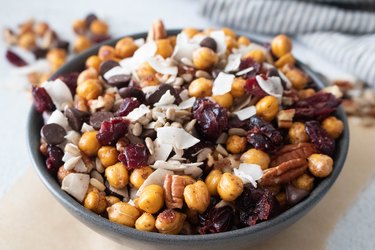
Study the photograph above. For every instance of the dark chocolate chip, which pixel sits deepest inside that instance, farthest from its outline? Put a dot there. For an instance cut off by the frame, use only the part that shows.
(62, 44)
(76, 118)
(119, 81)
(148, 133)
(294, 195)
(100, 38)
(162, 89)
(89, 19)
(106, 66)
(53, 133)
(132, 92)
(40, 52)
(210, 43)
(97, 118)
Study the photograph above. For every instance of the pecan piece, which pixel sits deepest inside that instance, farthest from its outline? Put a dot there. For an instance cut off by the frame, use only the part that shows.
(293, 151)
(157, 31)
(174, 186)
(284, 173)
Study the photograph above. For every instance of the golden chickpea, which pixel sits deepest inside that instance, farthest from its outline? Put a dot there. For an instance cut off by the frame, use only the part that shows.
(79, 26)
(204, 58)
(267, 107)
(305, 182)
(229, 187)
(257, 55)
(212, 180)
(89, 89)
(256, 156)
(151, 80)
(298, 78)
(95, 201)
(89, 73)
(107, 155)
(81, 43)
(123, 213)
(125, 47)
(200, 87)
(98, 27)
(151, 199)
(41, 28)
(62, 173)
(225, 100)
(145, 70)
(111, 200)
(238, 87)
(333, 127)
(106, 52)
(320, 165)
(281, 45)
(190, 32)
(164, 48)
(117, 175)
(306, 93)
(231, 44)
(27, 40)
(236, 144)
(197, 196)
(172, 40)
(297, 133)
(93, 62)
(229, 32)
(170, 222)
(146, 222)
(139, 175)
(284, 60)
(56, 58)
(242, 40)
(88, 143)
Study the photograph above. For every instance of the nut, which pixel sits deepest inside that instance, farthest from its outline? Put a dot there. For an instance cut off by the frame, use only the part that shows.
(285, 118)
(157, 31)
(174, 190)
(293, 151)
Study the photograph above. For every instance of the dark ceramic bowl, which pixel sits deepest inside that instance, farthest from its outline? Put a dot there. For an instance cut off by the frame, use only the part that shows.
(240, 238)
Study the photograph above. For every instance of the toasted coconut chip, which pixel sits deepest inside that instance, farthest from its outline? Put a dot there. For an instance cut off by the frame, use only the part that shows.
(285, 79)
(59, 118)
(177, 137)
(169, 165)
(222, 84)
(87, 128)
(144, 52)
(246, 113)
(165, 99)
(40, 65)
(162, 150)
(124, 192)
(72, 137)
(139, 42)
(194, 171)
(59, 93)
(118, 70)
(188, 103)
(71, 162)
(149, 89)
(162, 66)
(137, 113)
(80, 167)
(271, 86)
(244, 71)
(219, 37)
(76, 185)
(184, 47)
(234, 61)
(249, 173)
(157, 177)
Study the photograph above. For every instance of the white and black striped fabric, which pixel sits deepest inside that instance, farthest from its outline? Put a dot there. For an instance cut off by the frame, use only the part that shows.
(343, 31)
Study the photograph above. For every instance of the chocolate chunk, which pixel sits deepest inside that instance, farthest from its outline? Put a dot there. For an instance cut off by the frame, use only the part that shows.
(162, 89)
(39, 52)
(76, 118)
(97, 118)
(106, 66)
(53, 133)
(294, 195)
(132, 92)
(119, 81)
(89, 19)
(210, 43)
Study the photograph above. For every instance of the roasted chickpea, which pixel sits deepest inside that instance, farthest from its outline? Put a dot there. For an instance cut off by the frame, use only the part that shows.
(267, 107)
(151, 80)
(125, 47)
(111, 200)
(62, 173)
(139, 175)
(88, 143)
(231, 44)
(151, 199)
(257, 55)
(212, 180)
(284, 60)
(242, 40)
(170, 222)
(81, 43)
(197, 196)
(117, 175)
(225, 100)
(320, 165)
(297, 133)
(123, 213)
(79, 26)
(238, 87)
(106, 52)
(164, 48)
(89, 73)
(298, 78)
(41, 28)
(204, 58)
(27, 40)
(229, 32)
(236, 144)
(98, 27)
(172, 40)
(146, 222)
(93, 62)
(281, 45)
(256, 156)
(306, 93)
(107, 155)
(333, 127)
(229, 187)
(56, 58)
(89, 89)
(305, 182)
(190, 32)
(95, 201)
(145, 70)
(200, 87)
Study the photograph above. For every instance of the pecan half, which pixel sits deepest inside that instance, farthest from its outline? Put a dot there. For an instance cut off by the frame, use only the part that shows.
(157, 31)
(284, 173)
(293, 151)
(174, 186)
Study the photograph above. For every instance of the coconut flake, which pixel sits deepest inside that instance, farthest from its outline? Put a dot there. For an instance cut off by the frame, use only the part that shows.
(59, 118)
(184, 47)
(118, 70)
(271, 86)
(76, 185)
(219, 37)
(59, 93)
(161, 66)
(285, 79)
(157, 177)
(168, 165)
(162, 150)
(144, 53)
(249, 173)
(165, 99)
(87, 128)
(149, 89)
(72, 137)
(234, 61)
(222, 84)
(244, 71)
(194, 171)
(177, 137)
(139, 42)
(246, 113)
(137, 113)
(187, 103)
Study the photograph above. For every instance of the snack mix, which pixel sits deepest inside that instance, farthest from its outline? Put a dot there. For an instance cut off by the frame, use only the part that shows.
(198, 133)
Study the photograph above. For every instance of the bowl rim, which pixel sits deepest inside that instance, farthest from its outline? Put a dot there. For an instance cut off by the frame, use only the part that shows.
(74, 206)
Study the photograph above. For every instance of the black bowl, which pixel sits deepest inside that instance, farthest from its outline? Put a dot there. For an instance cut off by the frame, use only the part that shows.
(130, 237)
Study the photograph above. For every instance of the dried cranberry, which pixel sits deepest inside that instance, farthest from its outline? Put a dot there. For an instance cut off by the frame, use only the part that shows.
(235, 122)
(212, 119)
(54, 159)
(70, 79)
(127, 105)
(217, 220)
(247, 63)
(253, 88)
(262, 135)
(320, 138)
(134, 156)
(15, 59)
(42, 101)
(111, 131)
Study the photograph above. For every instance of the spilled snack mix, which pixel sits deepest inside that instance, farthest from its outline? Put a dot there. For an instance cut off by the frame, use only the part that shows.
(199, 133)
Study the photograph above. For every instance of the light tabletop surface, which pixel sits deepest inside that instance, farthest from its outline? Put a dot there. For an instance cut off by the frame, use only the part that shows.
(354, 230)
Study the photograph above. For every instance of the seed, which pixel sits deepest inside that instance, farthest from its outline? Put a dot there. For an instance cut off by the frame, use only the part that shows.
(221, 150)
(187, 77)
(237, 131)
(222, 138)
(187, 61)
(190, 125)
(202, 73)
(170, 113)
(137, 129)
(98, 166)
(100, 186)
(150, 145)
(95, 174)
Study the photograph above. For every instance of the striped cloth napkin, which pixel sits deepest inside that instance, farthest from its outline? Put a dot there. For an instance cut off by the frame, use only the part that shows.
(342, 31)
